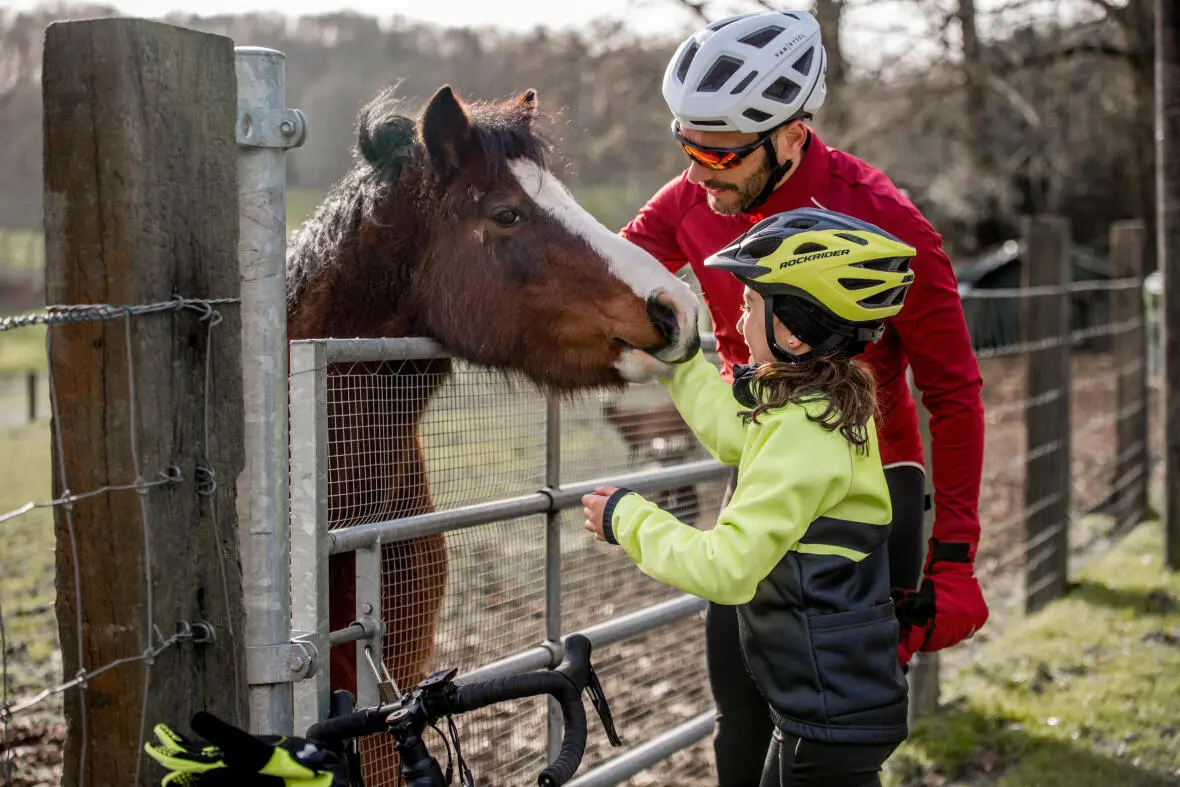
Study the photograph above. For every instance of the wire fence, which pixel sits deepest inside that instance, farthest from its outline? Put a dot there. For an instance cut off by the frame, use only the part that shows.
(1067, 413)
(484, 438)
(1073, 428)
(412, 439)
(30, 697)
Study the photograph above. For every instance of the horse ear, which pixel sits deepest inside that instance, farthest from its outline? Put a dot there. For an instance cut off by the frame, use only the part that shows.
(526, 104)
(446, 131)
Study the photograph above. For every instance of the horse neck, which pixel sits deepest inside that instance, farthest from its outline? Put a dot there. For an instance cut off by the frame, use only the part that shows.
(374, 409)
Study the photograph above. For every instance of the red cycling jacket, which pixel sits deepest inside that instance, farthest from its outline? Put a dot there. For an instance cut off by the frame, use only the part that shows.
(678, 227)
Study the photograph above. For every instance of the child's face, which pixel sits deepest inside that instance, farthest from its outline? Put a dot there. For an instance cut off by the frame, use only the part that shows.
(752, 326)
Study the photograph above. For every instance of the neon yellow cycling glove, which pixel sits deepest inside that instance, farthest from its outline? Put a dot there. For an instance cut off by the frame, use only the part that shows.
(230, 757)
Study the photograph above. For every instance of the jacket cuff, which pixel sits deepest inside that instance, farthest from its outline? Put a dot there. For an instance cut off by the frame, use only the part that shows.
(608, 515)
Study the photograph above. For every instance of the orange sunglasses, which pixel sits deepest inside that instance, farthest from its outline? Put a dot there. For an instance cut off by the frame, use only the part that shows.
(718, 158)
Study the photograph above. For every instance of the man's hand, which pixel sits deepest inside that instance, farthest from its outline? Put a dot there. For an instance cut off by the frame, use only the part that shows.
(948, 607)
(230, 757)
(593, 505)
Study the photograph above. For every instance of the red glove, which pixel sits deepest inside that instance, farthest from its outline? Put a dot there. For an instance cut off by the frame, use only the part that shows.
(948, 607)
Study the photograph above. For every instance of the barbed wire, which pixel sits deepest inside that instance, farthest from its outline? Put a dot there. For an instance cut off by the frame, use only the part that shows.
(206, 486)
(189, 632)
(64, 314)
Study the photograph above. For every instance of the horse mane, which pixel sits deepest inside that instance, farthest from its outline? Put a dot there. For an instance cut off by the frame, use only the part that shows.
(390, 158)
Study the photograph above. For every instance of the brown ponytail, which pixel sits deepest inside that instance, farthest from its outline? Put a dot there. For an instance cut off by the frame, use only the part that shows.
(846, 385)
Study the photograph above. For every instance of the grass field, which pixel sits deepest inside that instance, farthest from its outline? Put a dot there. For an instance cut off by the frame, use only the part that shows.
(26, 561)
(1083, 694)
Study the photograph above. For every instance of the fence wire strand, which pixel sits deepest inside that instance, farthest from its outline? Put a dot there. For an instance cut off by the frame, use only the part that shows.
(154, 642)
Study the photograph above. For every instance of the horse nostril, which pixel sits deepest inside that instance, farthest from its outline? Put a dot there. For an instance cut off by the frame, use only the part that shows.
(663, 317)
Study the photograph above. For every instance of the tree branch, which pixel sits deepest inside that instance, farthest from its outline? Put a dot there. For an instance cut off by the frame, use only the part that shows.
(1073, 50)
(697, 8)
(1107, 6)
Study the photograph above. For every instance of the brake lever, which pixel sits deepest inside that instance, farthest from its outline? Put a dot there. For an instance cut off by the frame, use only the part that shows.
(598, 700)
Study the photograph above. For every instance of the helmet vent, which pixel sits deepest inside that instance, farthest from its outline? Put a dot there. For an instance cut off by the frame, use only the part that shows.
(891, 264)
(723, 22)
(762, 247)
(807, 248)
(801, 224)
(686, 61)
(757, 115)
(881, 299)
(853, 238)
(782, 90)
(719, 74)
(745, 83)
(858, 284)
(803, 64)
(762, 37)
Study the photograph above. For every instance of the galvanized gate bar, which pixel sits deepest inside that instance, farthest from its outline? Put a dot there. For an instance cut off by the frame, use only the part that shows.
(362, 350)
(265, 129)
(644, 481)
(644, 620)
(646, 754)
(350, 539)
(309, 522)
(413, 348)
(600, 635)
(556, 725)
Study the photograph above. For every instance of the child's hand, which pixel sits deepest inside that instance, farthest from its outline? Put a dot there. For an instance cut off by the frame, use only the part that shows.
(594, 503)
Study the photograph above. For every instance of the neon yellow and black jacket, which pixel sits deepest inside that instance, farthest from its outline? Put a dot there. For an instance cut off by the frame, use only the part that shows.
(800, 548)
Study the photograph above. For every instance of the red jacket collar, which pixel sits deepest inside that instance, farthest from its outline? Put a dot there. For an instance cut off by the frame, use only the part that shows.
(801, 186)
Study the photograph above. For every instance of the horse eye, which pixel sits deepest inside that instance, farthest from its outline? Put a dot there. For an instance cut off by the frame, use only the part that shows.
(507, 217)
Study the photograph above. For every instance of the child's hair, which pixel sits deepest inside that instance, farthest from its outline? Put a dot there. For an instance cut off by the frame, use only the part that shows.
(846, 384)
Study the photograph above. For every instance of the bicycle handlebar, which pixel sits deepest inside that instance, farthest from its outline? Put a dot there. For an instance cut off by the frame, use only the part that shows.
(442, 698)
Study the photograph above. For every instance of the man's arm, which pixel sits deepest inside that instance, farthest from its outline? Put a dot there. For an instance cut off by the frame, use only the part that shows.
(932, 329)
(654, 228)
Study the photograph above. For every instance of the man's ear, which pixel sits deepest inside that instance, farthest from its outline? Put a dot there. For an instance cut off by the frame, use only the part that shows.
(789, 140)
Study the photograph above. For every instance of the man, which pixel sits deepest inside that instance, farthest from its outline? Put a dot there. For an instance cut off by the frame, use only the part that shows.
(740, 92)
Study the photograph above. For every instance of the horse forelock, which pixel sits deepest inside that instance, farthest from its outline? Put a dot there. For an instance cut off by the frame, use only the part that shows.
(503, 135)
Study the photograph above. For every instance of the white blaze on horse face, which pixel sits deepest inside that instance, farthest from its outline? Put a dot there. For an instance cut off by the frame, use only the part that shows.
(630, 264)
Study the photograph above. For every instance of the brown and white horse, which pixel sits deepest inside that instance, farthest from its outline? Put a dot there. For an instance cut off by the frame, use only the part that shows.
(449, 226)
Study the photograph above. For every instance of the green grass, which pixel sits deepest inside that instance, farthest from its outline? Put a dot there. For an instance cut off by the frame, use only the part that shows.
(27, 558)
(1085, 693)
(22, 249)
(22, 349)
(301, 204)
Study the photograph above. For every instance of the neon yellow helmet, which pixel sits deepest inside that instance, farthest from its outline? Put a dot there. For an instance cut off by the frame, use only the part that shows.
(829, 277)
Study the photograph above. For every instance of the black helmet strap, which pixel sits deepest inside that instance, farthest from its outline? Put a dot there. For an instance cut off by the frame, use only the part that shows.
(821, 338)
(776, 174)
(779, 170)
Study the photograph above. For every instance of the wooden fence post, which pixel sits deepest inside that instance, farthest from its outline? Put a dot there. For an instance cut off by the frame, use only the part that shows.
(1128, 241)
(140, 185)
(31, 391)
(1046, 328)
(1167, 103)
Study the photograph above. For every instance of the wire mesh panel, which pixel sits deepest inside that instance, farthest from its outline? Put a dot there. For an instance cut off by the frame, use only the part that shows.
(1002, 364)
(408, 436)
(493, 606)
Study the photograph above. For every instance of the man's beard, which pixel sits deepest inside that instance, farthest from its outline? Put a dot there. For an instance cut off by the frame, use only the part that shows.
(746, 191)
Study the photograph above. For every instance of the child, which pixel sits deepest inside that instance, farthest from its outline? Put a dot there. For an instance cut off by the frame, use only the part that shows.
(800, 548)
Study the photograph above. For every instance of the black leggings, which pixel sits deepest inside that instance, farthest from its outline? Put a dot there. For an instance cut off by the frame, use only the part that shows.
(798, 762)
(742, 731)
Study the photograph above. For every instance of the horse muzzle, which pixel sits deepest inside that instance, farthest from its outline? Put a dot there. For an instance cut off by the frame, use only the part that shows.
(675, 320)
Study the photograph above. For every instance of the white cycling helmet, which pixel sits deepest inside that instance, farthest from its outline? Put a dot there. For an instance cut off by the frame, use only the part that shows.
(748, 73)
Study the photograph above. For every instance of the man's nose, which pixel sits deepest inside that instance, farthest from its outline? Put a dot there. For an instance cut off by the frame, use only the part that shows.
(698, 174)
